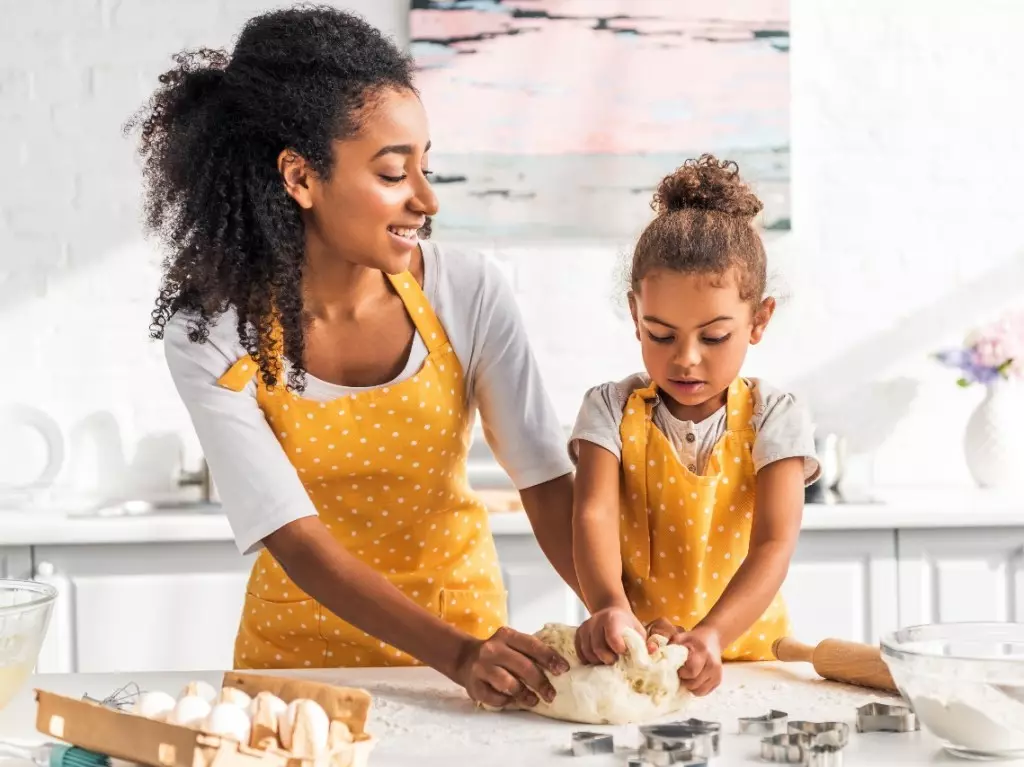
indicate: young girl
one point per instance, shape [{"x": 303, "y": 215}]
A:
[{"x": 689, "y": 491}]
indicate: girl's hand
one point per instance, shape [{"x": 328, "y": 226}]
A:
[
  {"x": 508, "y": 668},
  {"x": 599, "y": 640},
  {"x": 702, "y": 671}
]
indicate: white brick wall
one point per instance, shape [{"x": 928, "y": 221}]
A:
[{"x": 907, "y": 156}]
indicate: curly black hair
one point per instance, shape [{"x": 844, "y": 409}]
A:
[
  {"x": 210, "y": 137},
  {"x": 704, "y": 225}
]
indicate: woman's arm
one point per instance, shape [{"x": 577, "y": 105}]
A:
[
  {"x": 267, "y": 504},
  {"x": 549, "y": 508},
  {"x": 493, "y": 671},
  {"x": 359, "y": 595},
  {"x": 518, "y": 418},
  {"x": 776, "y": 525}
]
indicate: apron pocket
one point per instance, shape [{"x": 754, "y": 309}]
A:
[
  {"x": 478, "y": 612},
  {"x": 279, "y": 634}
]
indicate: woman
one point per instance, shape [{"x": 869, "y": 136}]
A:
[{"x": 331, "y": 361}]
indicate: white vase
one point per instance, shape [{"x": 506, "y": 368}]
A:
[{"x": 994, "y": 438}]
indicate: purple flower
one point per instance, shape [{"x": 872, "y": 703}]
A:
[{"x": 965, "y": 361}]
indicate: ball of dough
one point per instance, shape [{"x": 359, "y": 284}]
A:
[{"x": 639, "y": 687}]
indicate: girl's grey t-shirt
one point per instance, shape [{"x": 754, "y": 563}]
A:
[{"x": 783, "y": 427}]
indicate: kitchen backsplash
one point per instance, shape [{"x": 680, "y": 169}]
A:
[{"x": 904, "y": 236}]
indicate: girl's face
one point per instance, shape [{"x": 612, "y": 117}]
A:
[
  {"x": 694, "y": 332},
  {"x": 378, "y": 194}
]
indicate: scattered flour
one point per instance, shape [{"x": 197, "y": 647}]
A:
[{"x": 429, "y": 720}]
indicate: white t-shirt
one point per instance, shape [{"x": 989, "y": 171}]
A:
[
  {"x": 782, "y": 426},
  {"x": 260, "y": 489}
]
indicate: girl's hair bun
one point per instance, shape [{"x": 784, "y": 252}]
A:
[{"x": 706, "y": 184}]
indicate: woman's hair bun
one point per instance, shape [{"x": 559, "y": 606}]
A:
[{"x": 706, "y": 184}]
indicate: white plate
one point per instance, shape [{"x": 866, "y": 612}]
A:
[{"x": 31, "y": 448}]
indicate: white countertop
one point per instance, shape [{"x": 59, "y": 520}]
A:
[
  {"x": 421, "y": 718},
  {"x": 895, "y": 508}
]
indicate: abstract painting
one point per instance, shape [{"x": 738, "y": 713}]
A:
[{"x": 556, "y": 119}]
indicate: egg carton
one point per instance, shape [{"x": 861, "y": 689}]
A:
[{"x": 124, "y": 734}]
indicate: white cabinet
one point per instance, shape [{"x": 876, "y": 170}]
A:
[
  {"x": 961, "y": 575},
  {"x": 843, "y": 584},
  {"x": 175, "y": 606},
  {"x": 536, "y": 592},
  {"x": 134, "y": 607}
]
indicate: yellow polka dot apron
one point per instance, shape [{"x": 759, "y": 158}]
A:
[
  {"x": 683, "y": 534},
  {"x": 386, "y": 470}
]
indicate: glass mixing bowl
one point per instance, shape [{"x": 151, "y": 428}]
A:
[
  {"x": 25, "y": 608},
  {"x": 965, "y": 682}
]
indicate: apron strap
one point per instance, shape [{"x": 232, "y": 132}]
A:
[
  {"x": 739, "y": 406},
  {"x": 238, "y": 376},
  {"x": 423, "y": 316},
  {"x": 636, "y": 424}
]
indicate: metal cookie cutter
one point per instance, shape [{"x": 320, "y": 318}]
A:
[
  {"x": 825, "y": 755},
  {"x": 668, "y": 748},
  {"x": 678, "y": 755},
  {"x": 640, "y": 761},
  {"x": 882, "y": 717},
  {"x": 772, "y": 723},
  {"x": 823, "y": 733},
  {"x": 789, "y": 748},
  {"x": 590, "y": 743},
  {"x": 705, "y": 735}
]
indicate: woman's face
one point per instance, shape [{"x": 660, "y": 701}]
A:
[{"x": 378, "y": 194}]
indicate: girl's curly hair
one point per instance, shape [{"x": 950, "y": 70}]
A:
[
  {"x": 704, "y": 225},
  {"x": 210, "y": 137}
]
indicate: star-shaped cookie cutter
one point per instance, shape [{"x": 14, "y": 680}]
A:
[
  {"x": 704, "y": 734},
  {"x": 772, "y": 723},
  {"x": 590, "y": 743},
  {"x": 883, "y": 717},
  {"x": 823, "y": 733}
]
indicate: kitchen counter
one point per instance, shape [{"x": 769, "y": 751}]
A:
[
  {"x": 894, "y": 508},
  {"x": 421, "y": 718}
]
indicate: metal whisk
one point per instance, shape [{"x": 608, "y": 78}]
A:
[{"x": 121, "y": 698}]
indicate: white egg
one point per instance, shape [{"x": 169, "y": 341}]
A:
[
  {"x": 235, "y": 697},
  {"x": 200, "y": 689},
  {"x": 155, "y": 705},
  {"x": 190, "y": 711},
  {"x": 272, "y": 702},
  {"x": 304, "y": 726},
  {"x": 228, "y": 720}
]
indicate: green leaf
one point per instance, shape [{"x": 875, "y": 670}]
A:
[{"x": 963, "y": 383}]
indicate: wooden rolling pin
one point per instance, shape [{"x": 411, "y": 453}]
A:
[{"x": 840, "y": 661}]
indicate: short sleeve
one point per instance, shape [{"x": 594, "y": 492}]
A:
[
  {"x": 599, "y": 421},
  {"x": 260, "y": 490},
  {"x": 784, "y": 429},
  {"x": 517, "y": 416}
]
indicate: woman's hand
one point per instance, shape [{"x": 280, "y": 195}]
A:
[
  {"x": 599, "y": 640},
  {"x": 702, "y": 671},
  {"x": 508, "y": 668}
]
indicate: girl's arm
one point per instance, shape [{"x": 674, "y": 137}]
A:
[
  {"x": 777, "y": 515},
  {"x": 598, "y": 557},
  {"x": 595, "y": 529}
]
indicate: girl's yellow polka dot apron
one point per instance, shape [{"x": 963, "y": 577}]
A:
[
  {"x": 386, "y": 470},
  {"x": 684, "y": 535}
]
